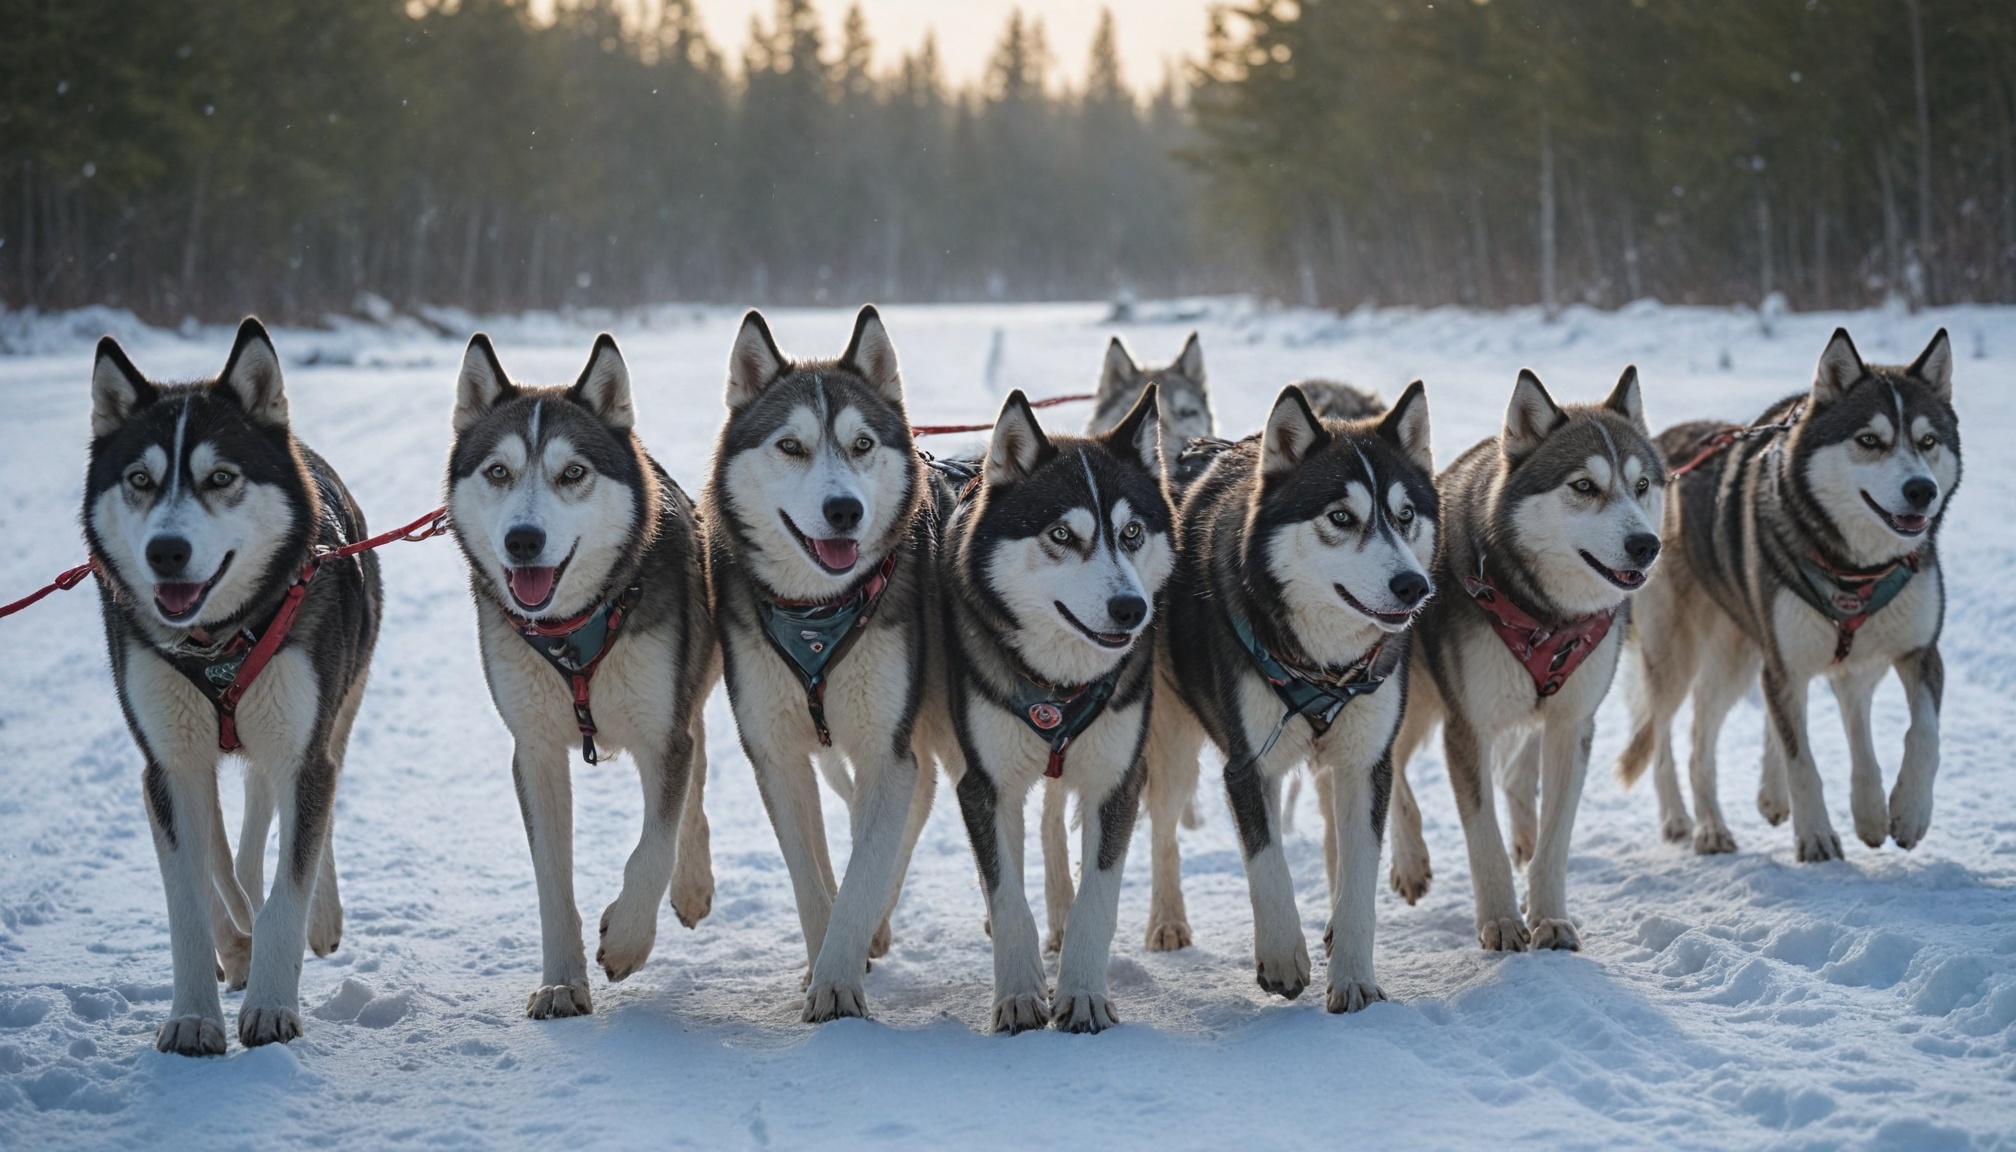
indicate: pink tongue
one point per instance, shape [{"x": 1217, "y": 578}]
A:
[
  {"x": 176, "y": 599},
  {"x": 838, "y": 555},
  {"x": 532, "y": 585}
]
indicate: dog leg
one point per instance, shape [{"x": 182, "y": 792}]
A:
[
  {"x": 230, "y": 911},
  {"x": 1812, "y": 832},
  {"x": 693, "y": 862},
  {"x": 271, "y": 1012},
  {"x": 1174, "y": 740},
  {"x": 883, "y": 794},
  {"x": 629, "y": 925},
  {"x": 1521, "y": 780},
  {"x": 790, "y": 792},
  {"x": 546, "y": 800},
  {"x": 1564, "y": 763},
  {"x": 913, "y": 828},
  {"x": 1774, "y": 802},
  {"x": 251, "y": 867},
  {"x": 1411, "y": 873},
  {"x": 1280, "y": 954},
  {"x": 1499, "y": 927},
  {"x": 325, "y": 915},
  {"x": 1357, "y": 812},
  {"x": 179, "y": 812},
  {"x": 1924, "y": 677},
  {"x": 1326, "y": 800},
  {"x": 1675, "y": 825},
  {"x": 994, "y": 825},
  {"x": 1854, "y": 691},
  {"x": 1082, "y": 1002},
  {"x": 1726, "y": 673},
  {"x": 1058, "y": 889}
]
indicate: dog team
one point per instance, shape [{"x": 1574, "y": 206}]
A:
[{"x": 1079, "y": 613}]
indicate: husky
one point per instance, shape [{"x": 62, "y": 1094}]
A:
[
  {"x": 1303, "y": 558},
  {"x": 1052, "y": 561},
  {"x": 1808, "y": 547},
  {"x": 1549, "y": 529},
  {"x": 1334, "y": 400},
  {"x": 1183, "y": 398},
  {"x": 205, "y": 518},
  {"x": 819, "y": 553},
  {"x": 591, "y": 609}
]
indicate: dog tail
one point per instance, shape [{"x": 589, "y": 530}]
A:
[{"x": 1644, "y": 741}]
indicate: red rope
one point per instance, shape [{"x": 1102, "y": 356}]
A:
[
  {"x": 65, "y": 582},
  {"x": 946, "y": 429}
]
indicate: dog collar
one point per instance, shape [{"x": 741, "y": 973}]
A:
[
  {"x": 812, "y": 635},
  {"x": 1849, "y": 597},
  {"x": 1549, "y": 655},
  {"x": 223, "y": 670},
  {"x": 575, "y": 648},
  {"x": 1315, "y": 696},
  {"x": 1058, "y": 715}
]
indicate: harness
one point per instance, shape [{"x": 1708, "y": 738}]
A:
[
  {"x": 1057, "y": 715},
  {"x": 1849, "y": 597},
  {"x": 812, "y": 635},
  {"x": 1315, "y": 696},
  {"x": 575, "y": 647},
  {"x": 1715, "y": 442},
  {"x": 1549, "y": 655}
]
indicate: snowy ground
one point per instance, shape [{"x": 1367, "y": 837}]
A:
[{"x": 1736, "y": 1001}]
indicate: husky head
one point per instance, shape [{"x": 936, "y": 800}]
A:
[
  {"x": 198, "y": 504},
  {"x": 1340, "y": 532},
  {"x": 1069, "y": 540},
  {"x": 549, "y": 491},
  {"x": 1579, "y": 497},
  {"x": 1879, "y": 448},
  {"x": 815, "y": 469},
  {"x": 1182, "y": 400}
]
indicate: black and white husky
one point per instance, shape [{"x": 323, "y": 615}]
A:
[
  {"x": 204, "y": 517},
  {"x": 591, "y": 610},
  {"x": 1808, "y": 547},
  {"x": 1303, "y": 558},
  {"x": 1052, "y": 562},
  {"x": 1548, "y": 530},
  {"x": 819, "y": 552}
]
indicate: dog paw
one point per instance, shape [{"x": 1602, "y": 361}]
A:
[
  {"x": 554, "y": 1001},
  {"x": 1024, "y": 1013},
  {"x": 825, "y": 1002},
  {"x": 234, "y": 963},
  {"x": 191, "y": 1036},
  {"x": 1815, "y": 847},
  {"x": 1084, "y": 1012},
  {"x": 1410, "y": 882},
  {"x": 878, "y": 944},
  {"x": 1284, "y": 975},
  {"x": 1168, "y": 935},
  {"x": 1713, "y": 840},
  {"x": 1677, "y": 829},
  {"x": 267, "y": 1024},
  {"x": 1504, "y": 934},
  {"x": 1053, "y": 943},
  {"x": 1522, "y": 846},
  {"x": 626, "y": 940},
  {"x": 692, "y": 897},
  {"x": 1773, "y": 806},
  {"x": 1909, "y": 822},
  {"x": 325, "y": 927},
  {"x": 1555, "y": 935},
  {"x": 1352, "y": 996}
]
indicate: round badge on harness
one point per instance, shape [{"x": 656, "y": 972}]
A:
[{"x": 1045, "y": 715}]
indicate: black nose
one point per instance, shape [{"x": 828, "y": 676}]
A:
[
  {"x": 1409, "y": 588},
  {"x": 1642, "y": 547},
  {"x": 168, "y": 555},
  {"x": 843, "y": 513},
  {"x": 1919, "y": 492},
  {"x": 524, "y": 543},
  {"x": 1127, "y": 611}
]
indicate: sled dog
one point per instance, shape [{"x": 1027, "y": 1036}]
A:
[
  {"x": 1303, "y": 558},
  {"x": 591, "y": 610},
  {"x": 819, "y": 551},
  {"x": 204, "y": 517},
  {"x": 1053, "y": 557},
  {"x": 1808, "y": 546},
  {"x": 1182, "y": 397},
  {"x": 1548, "y": 530}
]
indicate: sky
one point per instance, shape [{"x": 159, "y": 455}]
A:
[{"x": 1152, "y": 32}]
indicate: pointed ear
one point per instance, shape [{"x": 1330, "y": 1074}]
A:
[
  {"x": 482, "y": 384},
  {"x": 1190, "y": 362},
  {"x": 252, "y": 374},
  {"x": 872, "y": 354},
  {"x": 1138, "y": 436},
  {"x": 604, "y": 386},
  {"x": 1405, "y": 426},
  {"x": 754, "y": 363},
  {"x": 117, "y": 389},
  {"x": 1118, "y": 374},
  {"x": 1935, "y": 366},
  {"x": 1840, "y": 367},
  {"x": 1019, "y": 444},
  {"x": 1626, "y": 401},
  {"x": 1292, "y": 432},
  {"x": 1530, "y": 418}
]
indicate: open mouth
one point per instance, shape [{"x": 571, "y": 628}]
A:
[
  {"x": 1393, "y": 620},
  {"x": 178, "y": 602},
  {"x": 1113, "y": 640},
  {"x": 533, "y": 588},
  {"x": 1907, "y": 525},
  {"x": 835, "y": 556},
  {"x": 1629, "y": 579}
]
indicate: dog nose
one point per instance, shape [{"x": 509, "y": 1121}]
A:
[
  {"x": 1919, "y": 492},
  {"x": 1642, "y": 547},
  {"x": 1127, "y": 611},
  {"x": 524, "y": 543},
  {"x": 168, "y": 555},
  {"x": 843, "y": 513},
  {"x": 1409, "y": 588}
]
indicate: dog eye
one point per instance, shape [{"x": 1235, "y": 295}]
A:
[
  {"x": 574, "y": 472},
  {"x": 1342, "y": 518},
  {"x": 790, "y": 446},
  {"x": 1585, "y": 486},
  {"x": 1644, "y": 482},
  {"x": 140, "y": 481},
  {"x": 863, "y": 445},
  {"x": 221, "y": 479},
  {"x": 1061, "y": 534},
  {"x": 1869, "y": 440},
  {"x": 1928, "y": 442},
  {"x": 1132, "y": 532},
  {"x": 1405, "y": 515},
  {"x": 497, "y": 472}
]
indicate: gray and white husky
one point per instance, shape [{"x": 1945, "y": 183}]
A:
[
  {"x": 1303, "y": 558},
  {"x": 1182, "y": 396},
  {"x": 820, "y": 562},
  {"x": 1052, "y": 562},
  {"x": 204, "y": 516},
  {"x": 591, "y": 609},
  {"x": 1811, "y": 550},
  {"x": 1547, "y": 531}
]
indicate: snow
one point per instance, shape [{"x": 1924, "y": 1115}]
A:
[{"x": 1735, "y": 1001}]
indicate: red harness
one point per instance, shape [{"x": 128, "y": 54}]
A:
[
  {"x": 1549, "y": 655},
  {"x": 1718, "y": 441}
]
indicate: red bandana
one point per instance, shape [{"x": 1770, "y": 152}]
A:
[{"x": 1550, "y": 656}]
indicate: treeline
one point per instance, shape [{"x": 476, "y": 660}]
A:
[
  {"x": 206, "y": 157},
  {"x": 1506, "y": 151}
]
